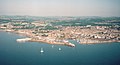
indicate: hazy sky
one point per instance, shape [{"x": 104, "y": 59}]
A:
[{"x": 60, "y": 7}]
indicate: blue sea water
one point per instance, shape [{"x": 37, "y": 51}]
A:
[{"x": 28, "y": 53}]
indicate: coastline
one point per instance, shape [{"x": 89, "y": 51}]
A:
[
  {"x": 88, "y": 41},
  {"x": 34, "y": 39},
  {"x": 95, "y": 35}
]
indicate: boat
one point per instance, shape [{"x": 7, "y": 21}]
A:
[
  {"x": 52, "y": 46},
  {"x": 78, "y": 41},
  {"x": 59, "y": 49},
  {"x": 41, "y": 50}
]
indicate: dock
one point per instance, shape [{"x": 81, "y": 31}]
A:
[{"x": 23, "y": 39}]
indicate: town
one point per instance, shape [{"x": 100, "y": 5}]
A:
[{"x": 59, "y": 30}]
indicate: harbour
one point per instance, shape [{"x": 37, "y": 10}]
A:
[{"x": 82, "y": 54}]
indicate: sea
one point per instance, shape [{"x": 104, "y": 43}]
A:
[{"x": 29, "y": 53}]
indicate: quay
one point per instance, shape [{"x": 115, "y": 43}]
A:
[{"x": 23, "y": 40}]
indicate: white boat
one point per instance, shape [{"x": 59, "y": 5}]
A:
[
  {"x": 52, "y": 46},
  {"x": 78, "y": 41},
  {"x": 59, "y": 49},
  {"x": 41, "y": 50}
]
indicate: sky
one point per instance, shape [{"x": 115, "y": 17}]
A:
[{"x": 60, "y": 7}]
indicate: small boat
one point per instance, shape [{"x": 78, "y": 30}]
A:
[
  {"x": 59, "y": 49},
  {"x": 78, "y": 41},
  {"x": 41, "y": 50},
  {"x": 52, "y": 46}
]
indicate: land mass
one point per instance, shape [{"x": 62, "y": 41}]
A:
[{"x": 46, "y": 32}]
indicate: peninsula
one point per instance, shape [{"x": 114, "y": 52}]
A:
[{"x": 51, "y": 31}]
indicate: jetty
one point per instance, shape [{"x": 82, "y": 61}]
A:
[{"x": 23, "y": 40}]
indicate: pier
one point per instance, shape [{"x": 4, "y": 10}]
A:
[{"x": 23, "y": 40}]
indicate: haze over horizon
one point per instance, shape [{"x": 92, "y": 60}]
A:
[{"x": 60, "y": 7}]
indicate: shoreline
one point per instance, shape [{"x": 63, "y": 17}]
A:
[
  {"x": 96, "y": 35},
  {"x": 99, "y": 42},
  {"x": 42, "y": 40}
]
